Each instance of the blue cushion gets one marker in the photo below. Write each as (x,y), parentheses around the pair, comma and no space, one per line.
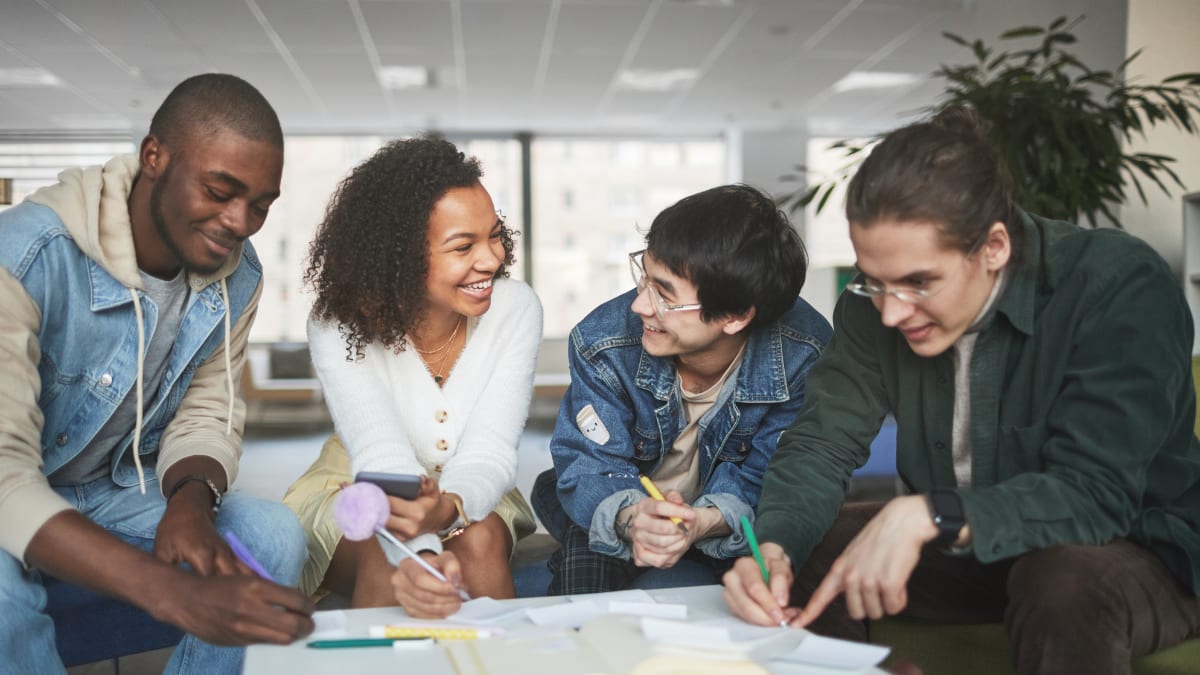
(91,627)
(882,461)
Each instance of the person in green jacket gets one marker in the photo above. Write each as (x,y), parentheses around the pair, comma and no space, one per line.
(1039,376)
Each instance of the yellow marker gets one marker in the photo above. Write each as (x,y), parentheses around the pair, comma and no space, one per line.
(652,489)
(435,632)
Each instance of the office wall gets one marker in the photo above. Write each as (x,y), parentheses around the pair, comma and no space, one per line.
(1167,31)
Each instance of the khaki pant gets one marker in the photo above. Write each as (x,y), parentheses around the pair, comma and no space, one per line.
(312,497)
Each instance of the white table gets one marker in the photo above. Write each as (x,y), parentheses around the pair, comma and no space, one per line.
(704,602)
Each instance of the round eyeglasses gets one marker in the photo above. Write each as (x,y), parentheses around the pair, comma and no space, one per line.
(660,306)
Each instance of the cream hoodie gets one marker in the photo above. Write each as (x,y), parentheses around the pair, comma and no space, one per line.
(92,203)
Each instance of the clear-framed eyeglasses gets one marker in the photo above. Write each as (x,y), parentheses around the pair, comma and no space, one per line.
(913,296)
(908,294)
(661,306)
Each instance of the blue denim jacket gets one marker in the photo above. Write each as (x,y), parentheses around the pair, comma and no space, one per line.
(637,401)
(88,336)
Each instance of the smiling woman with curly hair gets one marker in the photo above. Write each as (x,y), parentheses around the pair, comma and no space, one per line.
(426,353)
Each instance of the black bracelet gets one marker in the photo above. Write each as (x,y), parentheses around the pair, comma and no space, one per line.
(203,479)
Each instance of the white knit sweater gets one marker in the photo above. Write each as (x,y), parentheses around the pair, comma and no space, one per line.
(392,416)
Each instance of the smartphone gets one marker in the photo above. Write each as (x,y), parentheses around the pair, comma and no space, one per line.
(402,485)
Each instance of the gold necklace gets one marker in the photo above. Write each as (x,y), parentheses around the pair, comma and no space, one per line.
(437,376)
(453,334)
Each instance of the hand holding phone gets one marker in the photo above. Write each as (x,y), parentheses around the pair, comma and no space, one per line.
(402,485)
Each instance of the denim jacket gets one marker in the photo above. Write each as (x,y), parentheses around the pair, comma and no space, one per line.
(69,348)
(637,402)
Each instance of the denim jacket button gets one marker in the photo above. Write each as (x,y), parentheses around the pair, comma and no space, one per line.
(61,440)
(106,379)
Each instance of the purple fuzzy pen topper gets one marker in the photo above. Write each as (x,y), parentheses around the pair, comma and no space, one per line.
(361,510)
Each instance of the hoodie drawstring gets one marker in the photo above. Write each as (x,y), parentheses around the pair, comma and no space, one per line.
(228,360)
(141,355)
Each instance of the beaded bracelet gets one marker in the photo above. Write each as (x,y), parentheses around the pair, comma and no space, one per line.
(203,479)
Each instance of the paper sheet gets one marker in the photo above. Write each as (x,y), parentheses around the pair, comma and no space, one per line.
(485,610)
(827,652)
(728,635)
(330,623)
(658,610)
(567,614)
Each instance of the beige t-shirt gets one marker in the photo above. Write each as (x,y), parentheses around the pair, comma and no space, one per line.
(680,469)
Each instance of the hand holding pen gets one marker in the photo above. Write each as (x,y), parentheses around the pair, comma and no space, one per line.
(757,587)
(653,491)
(362,511)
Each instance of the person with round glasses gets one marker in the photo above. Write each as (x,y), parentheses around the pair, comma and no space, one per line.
(688,379)
(1039,377)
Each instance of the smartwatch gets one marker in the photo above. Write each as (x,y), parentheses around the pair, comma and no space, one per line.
(946,509)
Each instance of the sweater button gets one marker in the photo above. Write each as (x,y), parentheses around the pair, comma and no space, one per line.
(437,468)
(440,416)
(939,445)
(106,379)
(442,444)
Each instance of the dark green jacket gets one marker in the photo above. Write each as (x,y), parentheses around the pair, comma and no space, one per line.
(1082,407)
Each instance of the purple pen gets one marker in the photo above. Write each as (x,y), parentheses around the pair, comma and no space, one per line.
(244,554)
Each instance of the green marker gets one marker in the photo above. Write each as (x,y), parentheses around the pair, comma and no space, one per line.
(362,642)
(748,531)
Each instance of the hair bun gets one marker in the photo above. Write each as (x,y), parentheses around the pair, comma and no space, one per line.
(961,119)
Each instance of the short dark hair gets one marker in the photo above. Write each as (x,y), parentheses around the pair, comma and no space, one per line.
(943,170)
(369,259)
(739,250)
(212,102)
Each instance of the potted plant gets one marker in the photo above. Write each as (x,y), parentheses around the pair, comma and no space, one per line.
(1057,124)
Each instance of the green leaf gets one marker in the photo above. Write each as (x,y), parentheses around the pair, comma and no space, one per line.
(954,38)
(1022,32)
(825,197)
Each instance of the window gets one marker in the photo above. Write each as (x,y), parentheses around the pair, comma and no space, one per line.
(617,187)
(36,164)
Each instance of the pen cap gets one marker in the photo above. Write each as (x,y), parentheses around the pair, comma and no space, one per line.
(361,509)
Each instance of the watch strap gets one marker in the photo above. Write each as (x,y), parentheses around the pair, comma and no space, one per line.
(946,510)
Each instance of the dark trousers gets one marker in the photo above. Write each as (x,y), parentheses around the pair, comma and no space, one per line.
(1066,609)
(575,568)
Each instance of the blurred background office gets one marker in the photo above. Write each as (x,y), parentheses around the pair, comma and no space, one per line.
(589,115)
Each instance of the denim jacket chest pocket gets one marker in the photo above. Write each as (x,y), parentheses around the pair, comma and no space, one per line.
(737,446)
(648,447)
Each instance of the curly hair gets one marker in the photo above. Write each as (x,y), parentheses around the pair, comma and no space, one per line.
(369,259)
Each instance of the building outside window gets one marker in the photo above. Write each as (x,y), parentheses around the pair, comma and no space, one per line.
(618,186)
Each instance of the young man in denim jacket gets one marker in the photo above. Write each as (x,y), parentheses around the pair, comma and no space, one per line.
(688,380)
(126,297)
